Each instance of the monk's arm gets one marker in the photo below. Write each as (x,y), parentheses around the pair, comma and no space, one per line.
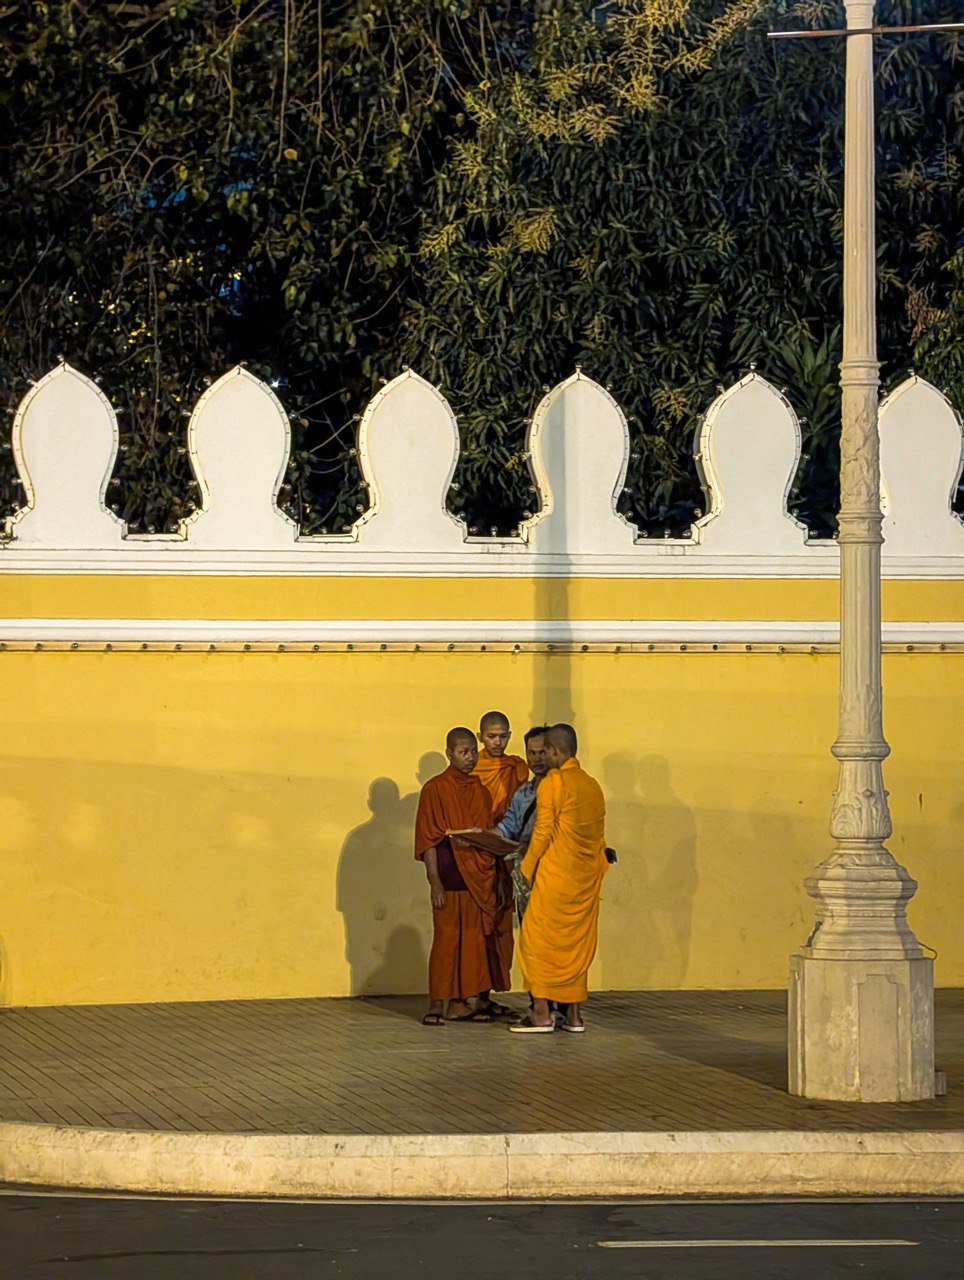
(547,802)
(430,858)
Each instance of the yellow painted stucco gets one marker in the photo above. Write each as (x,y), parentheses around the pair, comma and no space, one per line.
(188,826)
(682,599)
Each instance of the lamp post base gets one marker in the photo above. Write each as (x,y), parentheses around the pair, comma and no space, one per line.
(861,1030)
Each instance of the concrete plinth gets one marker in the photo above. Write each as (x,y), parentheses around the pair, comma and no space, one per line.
(861,1030)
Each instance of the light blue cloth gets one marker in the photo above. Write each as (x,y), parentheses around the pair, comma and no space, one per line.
(512,826)
(516,826)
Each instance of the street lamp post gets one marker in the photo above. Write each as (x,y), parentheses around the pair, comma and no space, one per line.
(861,988)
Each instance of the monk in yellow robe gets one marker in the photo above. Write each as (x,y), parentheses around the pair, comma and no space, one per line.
(565,863)
(466,961)
(502,775)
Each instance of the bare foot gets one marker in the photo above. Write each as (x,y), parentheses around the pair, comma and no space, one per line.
(457,1009)
(541,1015)
(574,1016)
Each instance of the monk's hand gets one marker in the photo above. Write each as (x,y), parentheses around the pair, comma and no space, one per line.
(438,894)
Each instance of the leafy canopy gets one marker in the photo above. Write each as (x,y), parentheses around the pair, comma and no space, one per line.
(489,193)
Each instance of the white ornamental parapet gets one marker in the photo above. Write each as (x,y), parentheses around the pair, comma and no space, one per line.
(65,442)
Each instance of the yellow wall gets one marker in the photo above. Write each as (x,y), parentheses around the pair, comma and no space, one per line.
(208,826)
(727,599)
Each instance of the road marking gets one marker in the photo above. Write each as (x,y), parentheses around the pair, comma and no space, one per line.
(755,1244)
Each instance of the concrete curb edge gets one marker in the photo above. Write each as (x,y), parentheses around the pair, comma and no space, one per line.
(483,1166)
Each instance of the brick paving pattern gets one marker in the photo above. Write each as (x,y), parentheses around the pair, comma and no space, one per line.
(650,1061)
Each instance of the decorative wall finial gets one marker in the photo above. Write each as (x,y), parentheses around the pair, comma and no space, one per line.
(579,447)
(65,442)
(408,446)
(239,440)
(921,455)
(749,451)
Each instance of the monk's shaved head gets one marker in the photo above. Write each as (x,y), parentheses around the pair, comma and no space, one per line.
(462,749)
(491,719)
(563,738)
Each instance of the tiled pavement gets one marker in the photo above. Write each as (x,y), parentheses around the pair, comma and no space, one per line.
(650,1062)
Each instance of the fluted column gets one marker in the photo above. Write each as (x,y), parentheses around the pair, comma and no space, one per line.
(861,989)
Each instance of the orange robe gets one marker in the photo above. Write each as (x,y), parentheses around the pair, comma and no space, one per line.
(502,776)
(466,958)
(566,862)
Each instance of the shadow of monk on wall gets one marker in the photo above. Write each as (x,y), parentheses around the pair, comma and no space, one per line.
(383,897)
(430,765)
(648,895)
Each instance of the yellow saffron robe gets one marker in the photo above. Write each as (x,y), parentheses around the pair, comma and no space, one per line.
(566,862)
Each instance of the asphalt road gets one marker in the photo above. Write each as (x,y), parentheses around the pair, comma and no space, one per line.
(93,1238)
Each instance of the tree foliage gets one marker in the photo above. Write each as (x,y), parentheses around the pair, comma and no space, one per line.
(489,193)
(192,184)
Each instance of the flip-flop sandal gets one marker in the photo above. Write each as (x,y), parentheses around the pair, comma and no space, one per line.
(496,1010)
(433,1020)
(573,1030)
(528,1027)
(477,1015)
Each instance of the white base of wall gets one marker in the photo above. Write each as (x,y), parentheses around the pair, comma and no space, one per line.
(484,1166)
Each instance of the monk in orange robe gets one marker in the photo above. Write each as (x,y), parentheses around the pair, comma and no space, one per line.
(502,775)
(466,961)
(565,863)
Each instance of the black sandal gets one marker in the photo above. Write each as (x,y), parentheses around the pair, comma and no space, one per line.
(476,1015)
(496,1010)
(433,1020)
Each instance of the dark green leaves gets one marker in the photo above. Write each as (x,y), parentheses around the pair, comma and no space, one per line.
(489,193)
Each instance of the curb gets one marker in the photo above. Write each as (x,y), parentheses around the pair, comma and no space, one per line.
(484,1166)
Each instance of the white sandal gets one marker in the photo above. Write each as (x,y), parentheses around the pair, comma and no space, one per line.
(528,1027)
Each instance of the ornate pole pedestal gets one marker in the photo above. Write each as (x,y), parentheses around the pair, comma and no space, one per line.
(861,988)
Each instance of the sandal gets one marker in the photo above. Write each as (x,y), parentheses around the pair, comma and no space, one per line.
(476,1015)
(528,1027)
(496,1010)
(574,1028)
(433,1020)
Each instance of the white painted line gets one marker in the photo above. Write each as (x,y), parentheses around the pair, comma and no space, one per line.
(458,631)
(755,1244)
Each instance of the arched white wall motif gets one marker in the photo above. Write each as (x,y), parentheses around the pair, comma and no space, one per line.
(65,445)
(239,440)
(408,446)
(578,444)
(749,451)
(65,442)
(921,455)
